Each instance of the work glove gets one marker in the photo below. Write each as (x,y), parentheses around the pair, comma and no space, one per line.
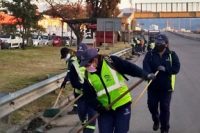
(161,68)
(150,76)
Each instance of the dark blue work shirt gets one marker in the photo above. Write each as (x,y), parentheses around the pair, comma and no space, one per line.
(163,80)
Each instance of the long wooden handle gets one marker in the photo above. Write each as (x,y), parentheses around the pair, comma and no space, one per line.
(63,109)
(142,93)
(58,97)
(110,105)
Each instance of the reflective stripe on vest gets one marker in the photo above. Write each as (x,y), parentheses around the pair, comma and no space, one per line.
(173,76)
(114,83)
(80,70)
(117,84)
(92,127)
(78,91)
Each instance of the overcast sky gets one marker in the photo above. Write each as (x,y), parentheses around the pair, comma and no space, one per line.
(124,3)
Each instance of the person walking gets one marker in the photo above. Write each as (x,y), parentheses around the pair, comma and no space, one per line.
(104,82)
(75,75)
(161,59)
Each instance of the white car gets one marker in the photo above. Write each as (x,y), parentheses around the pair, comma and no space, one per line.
(38,40)
(47,40)
(13,41)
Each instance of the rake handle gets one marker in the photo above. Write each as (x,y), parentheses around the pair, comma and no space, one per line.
(110,105)
(58,97)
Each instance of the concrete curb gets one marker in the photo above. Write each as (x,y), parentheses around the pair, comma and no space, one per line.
(188,37)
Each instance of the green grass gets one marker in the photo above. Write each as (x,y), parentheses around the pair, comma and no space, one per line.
(21,68)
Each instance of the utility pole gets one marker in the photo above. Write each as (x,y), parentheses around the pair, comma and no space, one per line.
(190,24)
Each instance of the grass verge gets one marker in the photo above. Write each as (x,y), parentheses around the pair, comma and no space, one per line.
(21,68)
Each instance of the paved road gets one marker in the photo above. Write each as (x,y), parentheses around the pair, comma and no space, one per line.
(185,107)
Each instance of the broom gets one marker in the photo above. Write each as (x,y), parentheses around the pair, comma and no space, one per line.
(51,112)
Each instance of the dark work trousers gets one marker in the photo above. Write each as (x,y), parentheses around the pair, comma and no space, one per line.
(156,98)
(115,121)
(85,113)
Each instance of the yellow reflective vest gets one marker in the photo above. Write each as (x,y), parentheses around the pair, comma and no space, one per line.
(173,76)
(108,86)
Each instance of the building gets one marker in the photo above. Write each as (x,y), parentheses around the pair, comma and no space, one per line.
(53,25)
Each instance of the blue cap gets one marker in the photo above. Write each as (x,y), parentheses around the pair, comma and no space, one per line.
(81,48)
(161,39)
(88,55)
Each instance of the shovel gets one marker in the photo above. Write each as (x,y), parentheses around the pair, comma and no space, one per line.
(51,112)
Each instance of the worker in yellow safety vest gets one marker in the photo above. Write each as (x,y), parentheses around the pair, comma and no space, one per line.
(75,74)
(104,82)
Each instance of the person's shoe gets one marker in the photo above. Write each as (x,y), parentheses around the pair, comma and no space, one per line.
(156,126)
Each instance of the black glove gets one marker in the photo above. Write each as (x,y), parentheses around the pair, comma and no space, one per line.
(150,76)
(63,84)
(101,109)
(161,68)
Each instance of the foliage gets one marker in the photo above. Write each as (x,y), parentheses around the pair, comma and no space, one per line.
(26,14)
(9,28)
(102,8)
(86,14)
(68,11)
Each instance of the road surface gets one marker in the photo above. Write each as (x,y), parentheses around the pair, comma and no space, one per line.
(185,106)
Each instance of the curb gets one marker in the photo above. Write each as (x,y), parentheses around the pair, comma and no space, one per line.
(188,37)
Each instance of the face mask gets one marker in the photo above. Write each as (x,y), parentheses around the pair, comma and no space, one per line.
(91,68)
(159,48)
(67,57)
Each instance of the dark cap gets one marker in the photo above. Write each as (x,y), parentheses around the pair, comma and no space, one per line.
(161,39)
(88,55)
(64,52)
(81,48)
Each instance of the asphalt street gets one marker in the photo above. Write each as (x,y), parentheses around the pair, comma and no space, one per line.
(185,105)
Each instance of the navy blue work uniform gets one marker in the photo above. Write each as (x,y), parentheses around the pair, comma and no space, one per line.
(112,121)
(160,90)
(84,111)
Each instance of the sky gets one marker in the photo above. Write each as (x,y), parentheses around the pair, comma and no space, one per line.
(124,3)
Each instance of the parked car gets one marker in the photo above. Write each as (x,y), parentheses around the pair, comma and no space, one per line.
(47,39)
(38,40)
(57,41)
(10,41)
(66,41)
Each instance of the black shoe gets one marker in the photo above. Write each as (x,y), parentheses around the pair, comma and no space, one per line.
(156,126)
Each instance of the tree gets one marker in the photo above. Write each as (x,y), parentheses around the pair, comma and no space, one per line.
(94,9)
(102,8)
(26,14)
(69,12)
